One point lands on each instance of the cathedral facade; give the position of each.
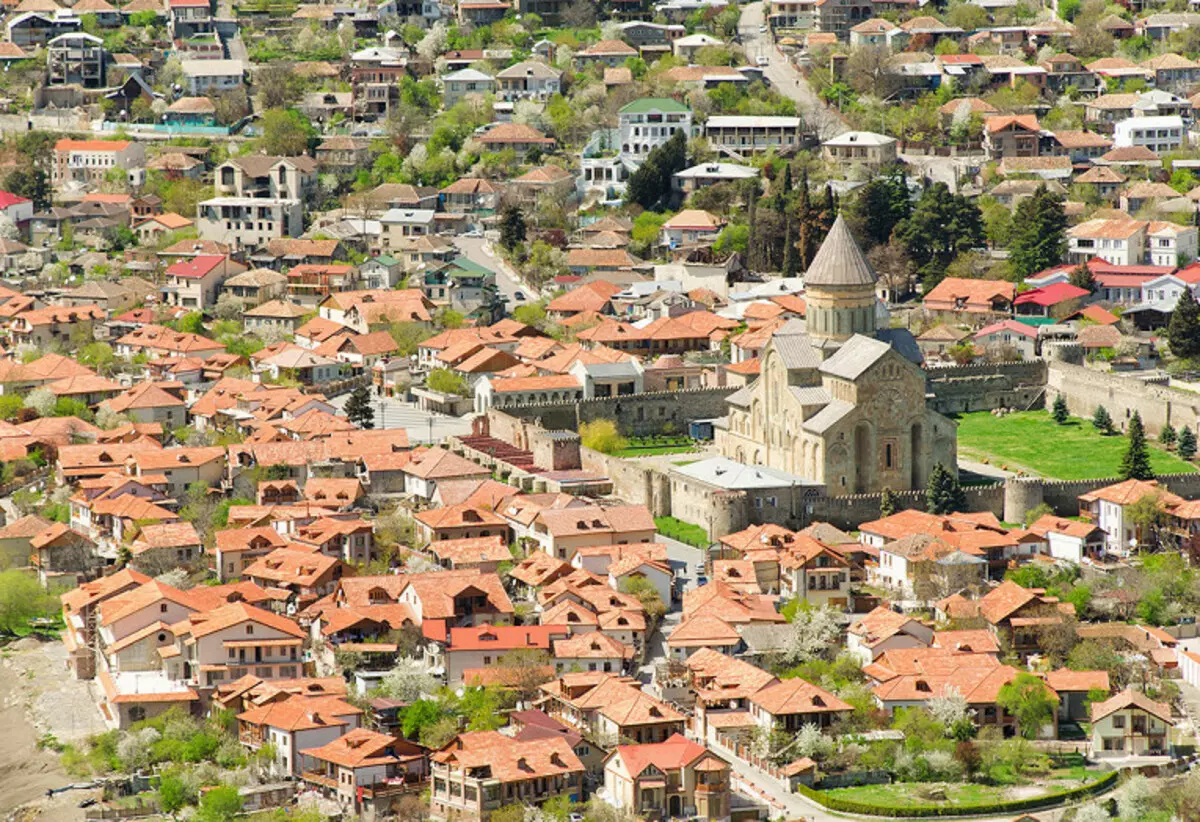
(839, 401)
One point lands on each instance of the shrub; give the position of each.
(602, 436)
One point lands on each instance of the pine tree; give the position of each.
(1039, 233)
(1101, 421)
(887, 505)
(1135, 464)
(359, 410)
(1081, 277)
(944, 495)
(1183, 332)
(1187, 443)
(1167, 436)
(512, 227)
(1058, 412)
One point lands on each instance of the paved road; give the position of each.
(785, 77)
(422, 426)
(479, 250)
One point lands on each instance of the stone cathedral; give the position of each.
(839, 400)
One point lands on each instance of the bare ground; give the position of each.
(38, 695)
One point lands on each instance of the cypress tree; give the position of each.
(1101, 421)
(805, 216)
(1135, 464)
(887, 505)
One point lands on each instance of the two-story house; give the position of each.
(528, 80)
(194, 283)
(1130, 724)
(478, 772)
(676, 778)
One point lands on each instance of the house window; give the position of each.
(1118, 721)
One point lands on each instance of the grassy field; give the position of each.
(654, 450)
(1030, 441)
(916, 794)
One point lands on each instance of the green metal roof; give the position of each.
(384, 259)
(463, 264)
(648, 104)
(1036, 321)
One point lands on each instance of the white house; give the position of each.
(1069, 539)
(884, 630)
(209, 77)
(1160, 134)
(1106, 508)
(1170, 244)
(1117, 241)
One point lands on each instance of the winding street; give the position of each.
(785, 77)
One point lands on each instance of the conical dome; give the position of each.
(839, 261)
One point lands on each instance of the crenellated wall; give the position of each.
(1085, 389)
(962, 389)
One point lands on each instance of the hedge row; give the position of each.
(1011, 806)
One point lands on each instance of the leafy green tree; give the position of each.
(447, 382)
(1135, 463)
(1183, 331)
(531, 314)
(10, 406)
(1101, 420)
(941, 226)
(190, 323)
(174, 793)
(21, 598)
(418, 715)
(1030, 701)
(221, 804)
(944, 495)
(359, 410)
(449, 318)
(285, 132)
(1187, 443)
(1167, 436)
(1058, 410)
(408, 336)
(1039, 233)
(512, 227)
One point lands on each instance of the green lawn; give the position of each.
(910, 794)
(654, 450)
(685, 532)
(1030, 441)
